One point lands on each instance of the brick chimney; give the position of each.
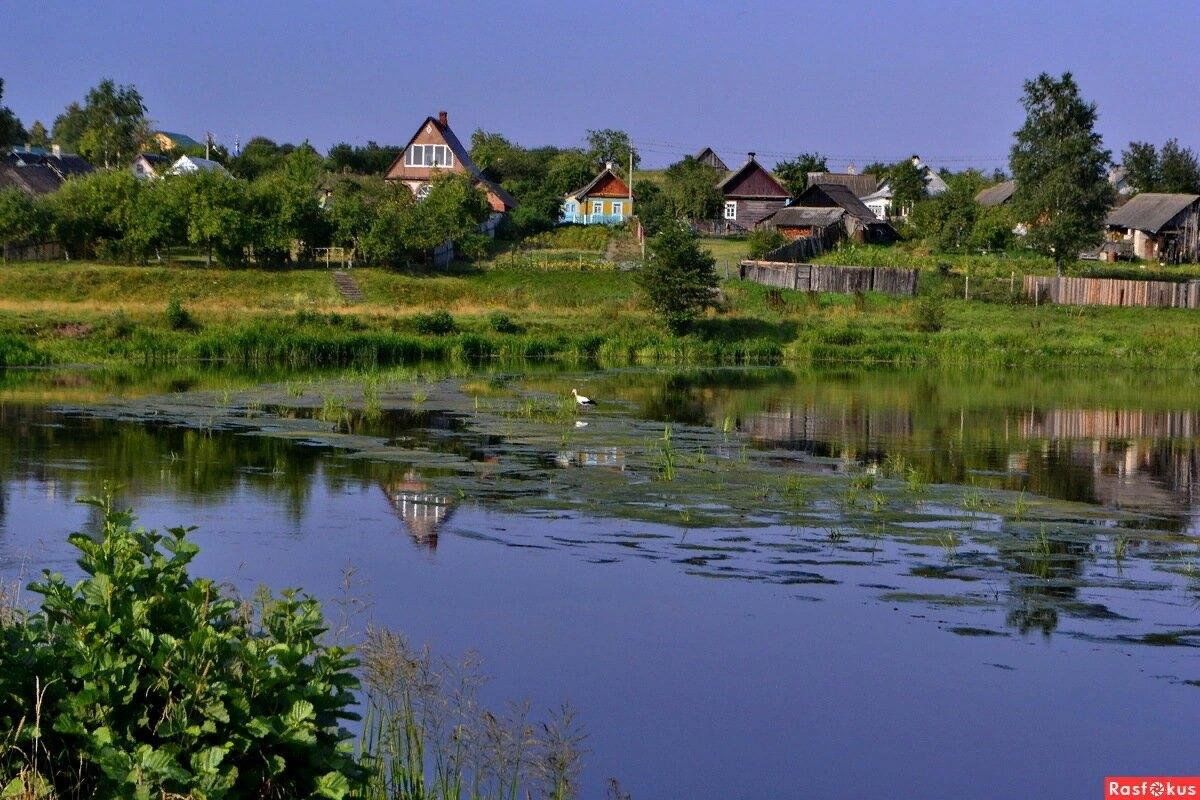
(443, 119)
(751, 154)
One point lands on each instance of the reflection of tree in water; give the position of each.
(423, 510)
(1044, 577)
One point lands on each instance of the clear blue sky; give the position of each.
(858, 81)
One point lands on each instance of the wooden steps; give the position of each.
(347, 287)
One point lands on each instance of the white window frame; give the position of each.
(570, 207)
(429, 155)
(731, 209)
(598, 207)
(618, 208)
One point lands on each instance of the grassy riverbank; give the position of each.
(101, 314)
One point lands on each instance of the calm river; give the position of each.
(815, 584)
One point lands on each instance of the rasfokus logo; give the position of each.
(1151, 786)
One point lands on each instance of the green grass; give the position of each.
(90, 313)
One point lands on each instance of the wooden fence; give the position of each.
(824, 278)
(1112, 292)
(798, 250)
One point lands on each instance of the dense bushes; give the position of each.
(278, 217)
(141, 681)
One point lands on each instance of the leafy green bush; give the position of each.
(437, 323)
(571, 237)
(763, 241)
(178, 318)
(503, 323)
(931, 311)
(140, 681)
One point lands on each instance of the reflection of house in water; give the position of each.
(847, 431)
(608, 457)
(423, 511)
(1146, 460)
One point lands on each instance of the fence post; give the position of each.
(967, 288)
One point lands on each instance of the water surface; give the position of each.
(853, 583)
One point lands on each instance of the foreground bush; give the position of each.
(140, 681)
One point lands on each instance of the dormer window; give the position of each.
(429, 155)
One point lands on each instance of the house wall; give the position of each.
(429, 135)
(750, 212)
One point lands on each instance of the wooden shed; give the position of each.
(1159, 226)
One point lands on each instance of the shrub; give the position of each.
(503, 323)
(178, 318)
(931, 312)
(437, 323)
(763, 241)
(148, 682)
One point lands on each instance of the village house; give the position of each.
(750, 194)
(709, 157)
(856, 222)
(185, 165)
(63, 165)
(1156, 227)
(150, 165)
(880, 201)
(605, 200)
(434, 150)
(37, 171)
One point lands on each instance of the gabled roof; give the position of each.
(1150, 211)
(823, 195)
(996, 195)
(862, 185)
(710, 157)
(155, 159)
(200, 164)
(179, 139)
(34, 179)
(460, 153)
(805, 217)
(752, 180)
(606, 184)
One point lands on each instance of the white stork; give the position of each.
(581, 400)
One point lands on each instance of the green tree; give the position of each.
(112, 124)
(22, 220)
(92, 213)
(373, 159)
(216, 213)
(1172, 169)
(947, 221)
(1179, 169)
(907, 181)
(38, 135)
(1142, 169)
(11, 130)
(689, 190)
(1060, 168)
(285, 208)
(679, 278)
(794, 172)
(260, 156)
(159, 219)
(69, 126)
(611, 146)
